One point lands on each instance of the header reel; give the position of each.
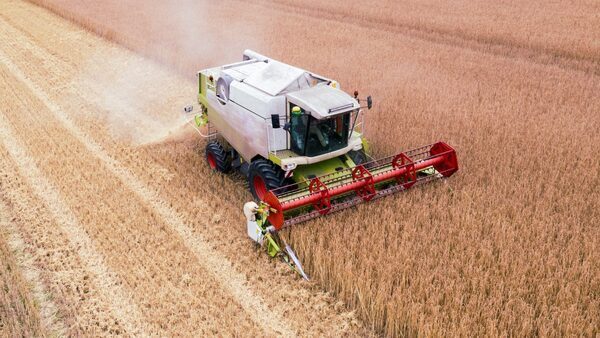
(322, 195)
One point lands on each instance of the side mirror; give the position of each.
(369, 102)
(286, 126)
(275, 121)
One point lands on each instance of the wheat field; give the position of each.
(508, 246)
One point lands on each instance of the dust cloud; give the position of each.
(138, 101)
(137, 106)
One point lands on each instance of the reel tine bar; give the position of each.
(367, 190)
(323, 204)
(409, 178)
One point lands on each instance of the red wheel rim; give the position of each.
(260, 188)
(212, 162)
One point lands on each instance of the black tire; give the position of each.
(217, 158)
(266, 171)
(358, 157)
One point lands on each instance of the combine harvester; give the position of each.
(300, 142)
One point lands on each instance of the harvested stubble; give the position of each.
(19, 314)
(510, 245)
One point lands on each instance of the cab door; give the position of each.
(298, 129)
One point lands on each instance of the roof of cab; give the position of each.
(323, 101)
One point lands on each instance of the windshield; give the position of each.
(312, 137)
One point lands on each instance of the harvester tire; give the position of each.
(263, 176)
(217, 158)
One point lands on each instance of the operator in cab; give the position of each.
(299, 124)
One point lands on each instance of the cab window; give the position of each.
(325, 136)
(298, 129)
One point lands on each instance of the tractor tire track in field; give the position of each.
(483, 45)
(171, 290)
(51, 323)
(121, 304)
(82, 304)
(223, 271)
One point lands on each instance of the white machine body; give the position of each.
(248, 95)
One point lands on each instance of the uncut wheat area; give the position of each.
(507, 246)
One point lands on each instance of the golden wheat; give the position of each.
(560, 29)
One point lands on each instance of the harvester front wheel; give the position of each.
(217, 158)
(263, 176)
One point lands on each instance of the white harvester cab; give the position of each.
(290, 123)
